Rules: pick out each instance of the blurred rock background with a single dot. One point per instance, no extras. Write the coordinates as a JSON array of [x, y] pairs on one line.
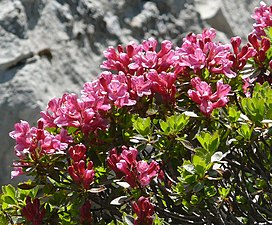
[[49, 47]]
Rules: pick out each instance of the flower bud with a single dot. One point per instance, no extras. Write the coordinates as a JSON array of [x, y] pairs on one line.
[[236, 42]]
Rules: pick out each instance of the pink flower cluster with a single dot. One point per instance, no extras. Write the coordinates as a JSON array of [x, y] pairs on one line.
[[32, 212], [207, 100], [142, 70], [261, 47], [137, 173], [263, 19], [144, 211], [239, 57], [135, 59], [199, 52], [72, 112], [78, 171], [36, 142], [29, 139]]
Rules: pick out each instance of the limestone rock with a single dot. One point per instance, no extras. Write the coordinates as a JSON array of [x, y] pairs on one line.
[[228, 16]]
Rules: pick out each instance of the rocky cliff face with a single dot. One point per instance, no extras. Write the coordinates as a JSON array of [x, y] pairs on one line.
[[48, 47]]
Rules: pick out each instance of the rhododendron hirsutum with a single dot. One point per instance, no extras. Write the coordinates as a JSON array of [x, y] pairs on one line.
[[192, 117], [80, 174], [144, 211], [136, 173], [263, 19], [207, 100], [200, 52], [33, 212]]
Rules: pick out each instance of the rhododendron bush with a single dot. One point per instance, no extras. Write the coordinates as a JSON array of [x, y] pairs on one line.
[[164, 135]]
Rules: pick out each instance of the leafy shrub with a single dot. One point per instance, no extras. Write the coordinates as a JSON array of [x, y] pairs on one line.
[[162, 136]]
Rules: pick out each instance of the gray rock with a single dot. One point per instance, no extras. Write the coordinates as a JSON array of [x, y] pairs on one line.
[[228, 16], [49, 47]]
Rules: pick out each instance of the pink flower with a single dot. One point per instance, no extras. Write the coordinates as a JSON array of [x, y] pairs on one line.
[[166, 47], [134, 60], [73, 112], [112, 160], [80, 174], [136, 173], [121, 59], [23, 135], [52, 112], [140, 86], [207, 100], [55, 143], [69, 112], [263, 19], [149, 59], [130, 176], [29, 139], [261, 47], [95, 96], [17, 169], [146, 172], [199, 52], [129, 155], [77, 152], [85, 213], [197, 59], [35, 142], [33, 212], [149, 45], [163, 84], [144, 211], [247, 84], [116, 89], [239, 58], [203, 90]]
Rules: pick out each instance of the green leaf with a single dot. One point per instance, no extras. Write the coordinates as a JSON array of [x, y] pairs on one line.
[[119, 200], [164, 126], [174, 124], [8, 200], [27, 185], [200, 165], [129, 220], [10, 190], [142, 126], [268, 32], [209, 142], [203, 139], [187, 144], [261, 183], [198, 187], [245, 131], [189, 179], [214, 142], [210, 191], [159, 221], [234, 115], [194, 200], [254, 108], [3, 219], [224, 191], [190, 114], [240, 199], [189, 167]]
